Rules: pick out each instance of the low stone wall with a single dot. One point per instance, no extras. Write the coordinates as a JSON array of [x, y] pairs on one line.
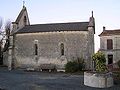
[[100, 80]]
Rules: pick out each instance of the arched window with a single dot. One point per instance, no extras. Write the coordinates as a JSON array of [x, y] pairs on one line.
[[25, 20], [62, 49], [36, 46]]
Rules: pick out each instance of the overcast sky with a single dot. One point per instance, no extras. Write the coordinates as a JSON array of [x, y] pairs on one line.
[[106, 12]]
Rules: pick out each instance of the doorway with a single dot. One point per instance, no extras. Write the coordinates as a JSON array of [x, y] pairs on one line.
[[110, 59]]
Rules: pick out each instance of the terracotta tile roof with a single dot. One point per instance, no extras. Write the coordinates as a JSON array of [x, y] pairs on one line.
[[110, 32], [76, 26]]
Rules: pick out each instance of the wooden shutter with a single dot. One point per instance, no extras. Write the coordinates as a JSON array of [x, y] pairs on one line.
[[109, 44]]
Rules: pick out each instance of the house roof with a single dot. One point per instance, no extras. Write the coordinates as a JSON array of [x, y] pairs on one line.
[[74, 26], [110, 32]]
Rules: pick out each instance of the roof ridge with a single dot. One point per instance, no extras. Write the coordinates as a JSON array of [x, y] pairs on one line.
[[58, 23], [112, 30]]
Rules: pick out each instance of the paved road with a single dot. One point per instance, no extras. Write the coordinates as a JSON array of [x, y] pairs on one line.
[[21, 80]]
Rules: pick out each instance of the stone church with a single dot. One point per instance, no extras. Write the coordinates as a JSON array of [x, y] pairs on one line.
[[54, 43]]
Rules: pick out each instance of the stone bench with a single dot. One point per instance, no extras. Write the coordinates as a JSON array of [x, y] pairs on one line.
[[27, 67], [41, 67], [49, 67]]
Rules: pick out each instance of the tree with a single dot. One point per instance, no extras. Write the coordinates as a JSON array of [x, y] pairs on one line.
[[100, 60], [7, 35], [0, 40], [4, 37]]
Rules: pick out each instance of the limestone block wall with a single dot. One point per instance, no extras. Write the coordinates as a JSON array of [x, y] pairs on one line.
[[75, 45]]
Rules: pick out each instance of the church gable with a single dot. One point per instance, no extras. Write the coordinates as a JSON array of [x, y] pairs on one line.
[[21, 20]]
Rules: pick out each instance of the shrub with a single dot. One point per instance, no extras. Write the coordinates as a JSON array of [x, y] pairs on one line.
[[81, 64], [71, 67], [75, 65], [99, 59]]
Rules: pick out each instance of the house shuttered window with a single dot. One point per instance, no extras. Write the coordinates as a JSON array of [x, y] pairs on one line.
[[109, 44]]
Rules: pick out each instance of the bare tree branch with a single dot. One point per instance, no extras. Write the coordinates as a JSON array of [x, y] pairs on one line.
[[7, 34], [8, 25], [1, 23]]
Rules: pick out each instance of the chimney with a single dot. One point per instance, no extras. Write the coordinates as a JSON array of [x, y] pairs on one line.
[[103, 28]]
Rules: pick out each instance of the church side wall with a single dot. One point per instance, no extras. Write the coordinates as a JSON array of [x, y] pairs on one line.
[[75, 45]]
